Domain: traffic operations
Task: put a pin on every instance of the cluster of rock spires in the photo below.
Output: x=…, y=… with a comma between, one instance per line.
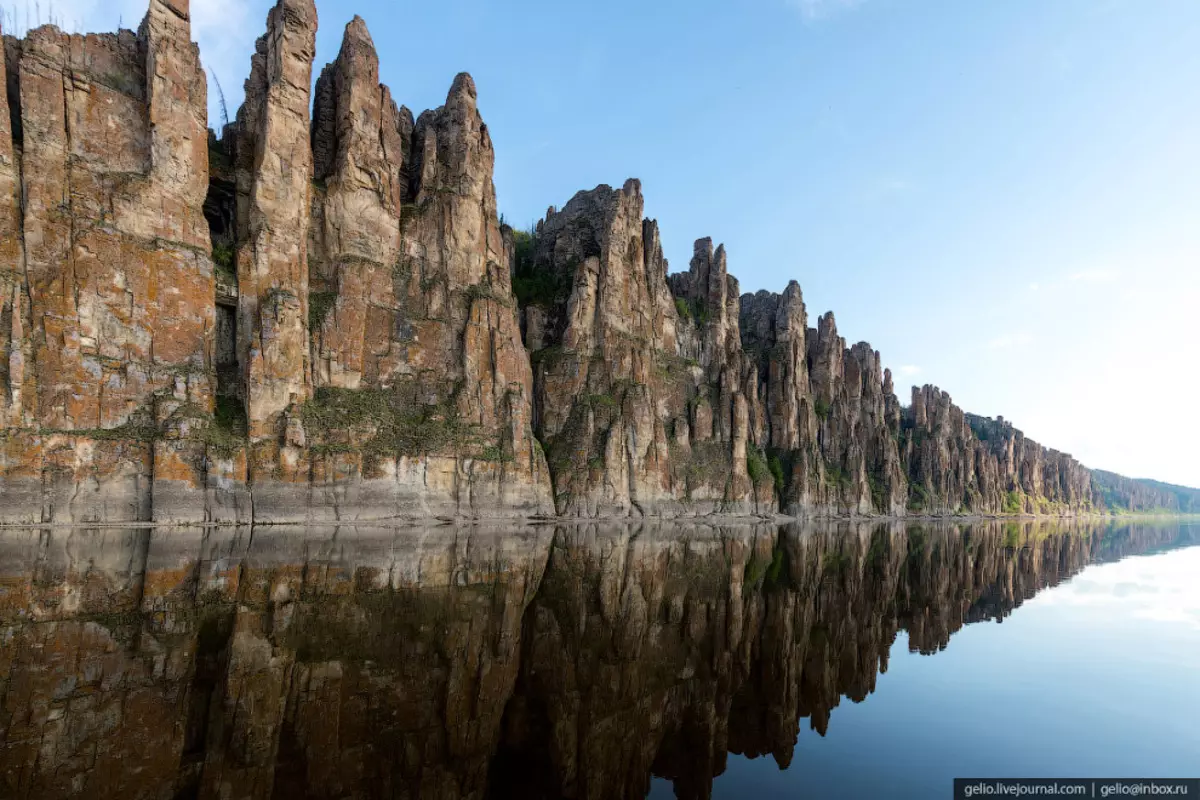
x=568, y=661
x=319, y=316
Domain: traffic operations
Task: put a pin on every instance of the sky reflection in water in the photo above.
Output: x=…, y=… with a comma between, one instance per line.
x=1096, y=677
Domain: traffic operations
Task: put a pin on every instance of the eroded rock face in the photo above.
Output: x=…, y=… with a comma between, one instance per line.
x=635, y=423
x=960, y=462
x=774, y=329
x=854, y=403
x=1119, y=492
x=832, y=417
x=710, y=334
x=395, y=385
x=105, y=272
x=355, y=235
x=274, y=168
x=424, y=388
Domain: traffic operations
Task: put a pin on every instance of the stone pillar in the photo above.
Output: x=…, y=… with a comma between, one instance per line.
x=274, y=175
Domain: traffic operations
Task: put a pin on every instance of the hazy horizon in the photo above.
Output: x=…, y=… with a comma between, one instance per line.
x=1001, y=198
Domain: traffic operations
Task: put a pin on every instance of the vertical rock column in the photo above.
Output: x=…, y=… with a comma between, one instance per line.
x=729, y=412
x=19, y=468
x=876, y=430
x=108, y=355
x=14, y=310
x=462, y=356
x=358, y=154
x=607, y=385
x=774, y=331
x=417, y=400
x=177, y=105
x=942, y=457
x=274, y=174
x=856, y=424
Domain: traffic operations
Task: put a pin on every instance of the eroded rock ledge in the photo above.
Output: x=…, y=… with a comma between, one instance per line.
x=318, y=316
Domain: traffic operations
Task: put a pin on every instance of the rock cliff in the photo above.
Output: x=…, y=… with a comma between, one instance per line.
x=107, y=274
x=832, y=416
x=641, y=411
x=1121, y=494
x=304, y=319
x=318, y=316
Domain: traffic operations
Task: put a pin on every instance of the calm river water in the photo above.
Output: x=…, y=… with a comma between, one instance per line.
x=853, y=660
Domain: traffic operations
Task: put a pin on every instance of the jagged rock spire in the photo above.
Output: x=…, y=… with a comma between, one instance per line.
x=275, y=168
x=357, y=139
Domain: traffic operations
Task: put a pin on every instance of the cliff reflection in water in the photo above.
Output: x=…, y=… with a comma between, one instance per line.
x=572, y=661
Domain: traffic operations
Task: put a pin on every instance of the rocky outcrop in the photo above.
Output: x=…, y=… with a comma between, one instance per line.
x=832, y=416
x=963, y=463
x=710, y=334
x=640, y=411
x=475, y=662
x=1121, y=494
x=857, y=422
x=774, y=331
x=359, y=140
x=423, y=398
x=106, y=277
x=318, y=317
x=232, y=330
x=274, y=165
x=949, y=467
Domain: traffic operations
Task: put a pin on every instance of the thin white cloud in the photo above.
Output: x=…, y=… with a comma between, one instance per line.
x=910, y=369
x=815, y=10
x=1052, y=283
x=1010, y=340
x=1095, y=275
x=1159, y=588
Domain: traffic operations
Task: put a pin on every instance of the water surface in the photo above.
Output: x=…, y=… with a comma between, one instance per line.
x=833, y=660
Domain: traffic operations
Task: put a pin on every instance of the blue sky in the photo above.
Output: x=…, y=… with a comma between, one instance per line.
x=1002, y=197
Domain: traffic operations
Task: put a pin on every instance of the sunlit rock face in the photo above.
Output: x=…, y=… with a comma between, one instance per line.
x=832, y=417
x=423, y=388
x=575, y=661
x=338, y=286
x=273, y=165
x=105, y=275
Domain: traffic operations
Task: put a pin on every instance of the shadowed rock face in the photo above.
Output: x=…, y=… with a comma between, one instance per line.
x=641, y=414
x=318, y=317
x=472, y=662
x=961, y=461
x=832, y=417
